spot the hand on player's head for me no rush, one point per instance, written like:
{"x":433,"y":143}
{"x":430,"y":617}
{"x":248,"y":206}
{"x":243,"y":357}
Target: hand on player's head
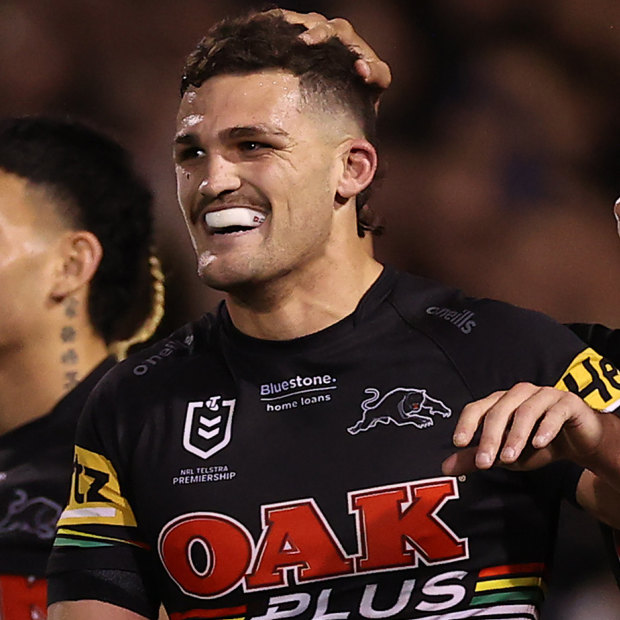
{"x":319,"y":28}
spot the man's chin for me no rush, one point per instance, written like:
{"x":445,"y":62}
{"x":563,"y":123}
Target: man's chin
{"x":212,"y":280}
{"x":210,"y":272}
{"x":238,"y":277}
{"x":222,"y":280}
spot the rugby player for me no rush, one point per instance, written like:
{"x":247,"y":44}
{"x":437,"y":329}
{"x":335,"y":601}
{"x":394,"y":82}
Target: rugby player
{"x":192,"y":489}
{"x":76,"y":288}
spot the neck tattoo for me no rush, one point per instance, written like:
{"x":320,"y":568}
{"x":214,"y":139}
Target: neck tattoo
{"x":68,"y":335}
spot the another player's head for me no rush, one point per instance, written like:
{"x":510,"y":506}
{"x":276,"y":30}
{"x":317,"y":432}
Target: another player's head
{"x":284,"y":128}
{"x":83,"y":207}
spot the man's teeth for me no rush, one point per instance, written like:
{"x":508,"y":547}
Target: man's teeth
{"x":236,"y":216}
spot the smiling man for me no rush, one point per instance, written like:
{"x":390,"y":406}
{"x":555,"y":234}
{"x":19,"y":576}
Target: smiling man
{"x":291,"y":455}
{"x":264,"y":183}
{"x":268,"y":168}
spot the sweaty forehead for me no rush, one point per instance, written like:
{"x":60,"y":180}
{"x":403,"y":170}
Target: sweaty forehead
{"x":262,"y":97}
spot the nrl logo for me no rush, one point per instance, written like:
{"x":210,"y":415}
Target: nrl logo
{"x":208,"y":426}
{"x":400,"y":406}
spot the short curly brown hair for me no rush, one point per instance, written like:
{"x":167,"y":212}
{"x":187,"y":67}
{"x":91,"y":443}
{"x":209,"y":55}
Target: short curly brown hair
{"x":326,"y":72}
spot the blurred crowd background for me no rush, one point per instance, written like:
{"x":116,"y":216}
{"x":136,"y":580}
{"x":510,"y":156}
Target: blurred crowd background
{"x":500,"y":149}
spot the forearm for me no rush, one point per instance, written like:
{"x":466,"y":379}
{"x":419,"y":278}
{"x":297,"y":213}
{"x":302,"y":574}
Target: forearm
{"x":598,"y":490}
{"x":604,"y":462}
{"x":598,"y":498}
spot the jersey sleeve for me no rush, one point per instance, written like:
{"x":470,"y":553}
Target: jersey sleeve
{"x":528,"y":346}
{"x":518,"y":345}
{"x":602,"y":339}
{"x":122,"y":588}
{"x":97,"y":534}
{"x":493,"y":345}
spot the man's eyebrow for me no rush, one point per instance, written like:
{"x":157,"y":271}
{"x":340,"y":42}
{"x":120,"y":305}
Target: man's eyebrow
{"x":185,"y":138}
{"x":256,"y":130}
{"x":241,"y":131}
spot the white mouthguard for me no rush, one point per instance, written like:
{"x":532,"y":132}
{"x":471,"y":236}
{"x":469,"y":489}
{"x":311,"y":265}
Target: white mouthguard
{"x":236,"y":216}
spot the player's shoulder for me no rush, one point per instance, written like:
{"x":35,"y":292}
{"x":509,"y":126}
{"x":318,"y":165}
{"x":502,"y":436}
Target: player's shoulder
{"x":492,"y":344}
{"x":166,"y":358}
{"x":444,"y":310}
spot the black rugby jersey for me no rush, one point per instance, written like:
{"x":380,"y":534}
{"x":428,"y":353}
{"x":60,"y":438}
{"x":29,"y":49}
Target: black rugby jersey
{"x":302,"y":479}
{"x":35,"y":473}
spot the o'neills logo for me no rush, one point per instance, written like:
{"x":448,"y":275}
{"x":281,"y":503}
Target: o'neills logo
{"x":463,"y":319}
{"x":168,"y":349}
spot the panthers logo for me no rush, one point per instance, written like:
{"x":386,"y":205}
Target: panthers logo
{"x":400,"y":406}
{"x":37,"y":516}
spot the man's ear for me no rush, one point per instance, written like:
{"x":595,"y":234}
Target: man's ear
{"x":359,"y":168}
{"x":80,"y":253}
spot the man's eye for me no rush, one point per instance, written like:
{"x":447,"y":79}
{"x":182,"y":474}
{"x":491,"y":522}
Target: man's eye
{"x":193,"y":152}
{"x":252,"y":145}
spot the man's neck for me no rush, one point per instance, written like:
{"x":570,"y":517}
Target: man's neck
{"x":35,"y":378}
{"x":295,"y":307}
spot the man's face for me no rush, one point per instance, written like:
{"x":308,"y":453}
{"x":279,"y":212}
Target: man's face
{"x":257,"y":172}
{"x":27,"y":233}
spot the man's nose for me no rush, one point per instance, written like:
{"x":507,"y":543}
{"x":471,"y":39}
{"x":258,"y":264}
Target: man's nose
{"x":220,"y":176}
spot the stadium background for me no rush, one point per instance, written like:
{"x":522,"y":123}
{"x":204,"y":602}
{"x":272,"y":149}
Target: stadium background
{"x":500,"y":143}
